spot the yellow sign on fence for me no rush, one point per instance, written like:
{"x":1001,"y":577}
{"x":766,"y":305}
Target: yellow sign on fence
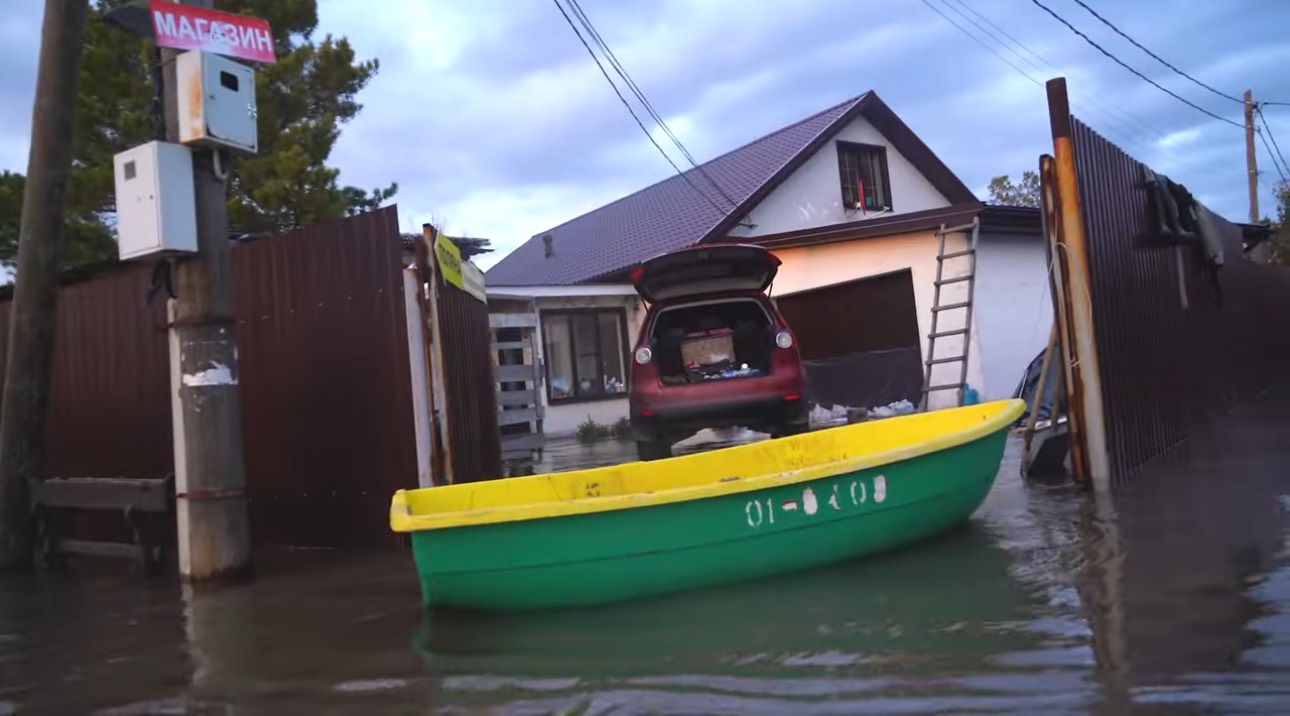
{"x":449,"y":257}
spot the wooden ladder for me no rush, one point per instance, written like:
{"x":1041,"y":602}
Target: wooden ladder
{"x":938,"y":309}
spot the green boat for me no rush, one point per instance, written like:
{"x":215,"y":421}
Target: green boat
{"x":640,"y":529}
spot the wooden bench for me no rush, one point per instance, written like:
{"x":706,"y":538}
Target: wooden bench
{"x":142,"y":503}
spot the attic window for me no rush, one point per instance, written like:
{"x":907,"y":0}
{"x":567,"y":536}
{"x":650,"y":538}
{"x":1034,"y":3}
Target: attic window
{"x":862,"y":168}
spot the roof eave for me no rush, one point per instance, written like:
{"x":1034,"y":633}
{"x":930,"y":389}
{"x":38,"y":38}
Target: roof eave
{"x":886,"y":121}
{"x":893,"y":225}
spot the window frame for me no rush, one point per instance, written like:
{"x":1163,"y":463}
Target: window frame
{"x":858,"y":150}
{"x":567,"y":314}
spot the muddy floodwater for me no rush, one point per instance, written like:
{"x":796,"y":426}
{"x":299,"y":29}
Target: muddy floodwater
{"x":1173,"y":597}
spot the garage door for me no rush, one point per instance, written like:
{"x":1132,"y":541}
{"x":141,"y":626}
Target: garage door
{"x":859,"y":340}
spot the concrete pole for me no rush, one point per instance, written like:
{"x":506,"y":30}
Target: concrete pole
{"x":32,"y":313}
{"x":210,"y":477}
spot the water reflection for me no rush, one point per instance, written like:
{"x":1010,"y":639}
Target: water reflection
{"x":1173,"y":597}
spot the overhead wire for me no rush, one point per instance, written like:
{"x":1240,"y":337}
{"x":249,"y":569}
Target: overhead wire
{"x":1119,"y":113}
{"x":632,"y":111}
{"x":989,"y":48}
{"x":640,"y":96}
{"x":1278,"y":159}
{"x":1126,"y":66}
{"x":1154,"y":56}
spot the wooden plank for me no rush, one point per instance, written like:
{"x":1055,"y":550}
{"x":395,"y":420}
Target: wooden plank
{"x":100,"y":549}
{"x":515,"y":416}
{"x":91,"y":493}
{"x":531,"y":441}
{"x":518,"y":398}
{"x":515,"y":373}
{"x":510,"y":345}
{"x":512,"y":320}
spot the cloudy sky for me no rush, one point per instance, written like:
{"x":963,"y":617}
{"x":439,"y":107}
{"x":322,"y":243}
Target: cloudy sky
{"x":493,"y":118}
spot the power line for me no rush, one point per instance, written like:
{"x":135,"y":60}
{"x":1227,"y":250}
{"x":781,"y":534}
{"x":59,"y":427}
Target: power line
{"x":1121,"y":63}
{"x":1275,"y":163}
{"x":1120,"y":113}
{"x":984,"y":44}
{"x":1158,"y":58}
{"x":1282,"y":168}
{"x":1122,"y":116}
{"x":626,"y":104}
{"x":649,"y":107}
{"x":991,"y":34}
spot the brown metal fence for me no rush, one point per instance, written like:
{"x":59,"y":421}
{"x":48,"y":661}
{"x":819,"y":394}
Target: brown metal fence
{"x":1174,"y":350}
{"x":471,"y":413}
{"x":109,"y":409}
{"x":326,"y":408}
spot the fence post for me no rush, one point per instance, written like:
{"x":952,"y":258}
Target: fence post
{"x":1084,"y":389}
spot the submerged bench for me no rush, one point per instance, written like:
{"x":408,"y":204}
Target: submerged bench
{"x":142,"y":503}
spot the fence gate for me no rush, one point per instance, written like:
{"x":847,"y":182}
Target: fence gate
{"x":519,"y":384}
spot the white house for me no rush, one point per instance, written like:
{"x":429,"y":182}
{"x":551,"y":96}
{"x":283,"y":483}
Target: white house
{"x":851,"y":201}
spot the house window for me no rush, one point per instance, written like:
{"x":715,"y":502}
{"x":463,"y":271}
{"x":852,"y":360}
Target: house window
{"x":863,"y":170}
{"x":585,"y":354}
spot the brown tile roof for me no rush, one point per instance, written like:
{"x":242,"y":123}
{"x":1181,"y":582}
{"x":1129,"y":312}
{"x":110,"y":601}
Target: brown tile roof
{"x":671,"y":215}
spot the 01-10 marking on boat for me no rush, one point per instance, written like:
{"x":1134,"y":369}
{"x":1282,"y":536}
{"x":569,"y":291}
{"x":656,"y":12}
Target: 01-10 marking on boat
{"x":759,"y":512}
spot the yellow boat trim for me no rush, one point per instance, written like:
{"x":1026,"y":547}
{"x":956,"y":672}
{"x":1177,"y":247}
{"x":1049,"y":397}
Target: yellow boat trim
{"x":728,"y":471}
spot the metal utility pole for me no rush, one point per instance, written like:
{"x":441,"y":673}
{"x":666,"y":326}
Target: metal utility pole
{"x":210,"y":477}
{"x":1084,"y":386}
{"x":1251,"y":165}
{"x":31,"y":329}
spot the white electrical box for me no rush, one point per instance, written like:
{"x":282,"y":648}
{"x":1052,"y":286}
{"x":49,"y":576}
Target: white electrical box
{"x":156,"y":203}
{"x":216,"y":102}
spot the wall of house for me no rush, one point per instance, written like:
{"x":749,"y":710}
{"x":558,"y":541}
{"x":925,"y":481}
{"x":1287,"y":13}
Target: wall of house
{"x":812,"y":196}
{"x":563,"y":418}
{"x":814,"y":266}
{"x":1014,"y":307}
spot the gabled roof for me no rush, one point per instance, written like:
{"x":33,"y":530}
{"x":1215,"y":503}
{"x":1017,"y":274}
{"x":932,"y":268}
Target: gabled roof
{"x":671,"y":215}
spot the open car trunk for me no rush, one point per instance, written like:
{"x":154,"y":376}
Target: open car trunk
{"x":718,"y":340}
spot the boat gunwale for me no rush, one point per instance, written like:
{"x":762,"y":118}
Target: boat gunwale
{"x":403,"y":521}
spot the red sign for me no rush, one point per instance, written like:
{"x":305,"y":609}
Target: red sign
{"x":191,"y":28}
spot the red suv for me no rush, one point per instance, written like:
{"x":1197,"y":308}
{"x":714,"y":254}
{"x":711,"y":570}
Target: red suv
{"x":713,"y":350}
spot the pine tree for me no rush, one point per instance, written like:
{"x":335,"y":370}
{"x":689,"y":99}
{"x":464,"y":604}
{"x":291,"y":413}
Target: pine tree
{"x":302,"y":101}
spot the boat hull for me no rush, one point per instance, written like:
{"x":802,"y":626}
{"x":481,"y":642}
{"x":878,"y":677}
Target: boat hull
{"x":609,"y":556}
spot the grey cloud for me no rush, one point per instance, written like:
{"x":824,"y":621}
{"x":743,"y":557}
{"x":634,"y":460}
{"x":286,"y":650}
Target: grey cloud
{"x":490,"y":124}
{"x":971,"y":108}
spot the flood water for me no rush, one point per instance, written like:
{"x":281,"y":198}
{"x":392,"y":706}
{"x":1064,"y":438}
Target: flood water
{"x":1174,"y":597}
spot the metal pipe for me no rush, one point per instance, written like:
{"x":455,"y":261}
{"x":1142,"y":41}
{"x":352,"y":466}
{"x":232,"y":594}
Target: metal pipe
{"x":1086,"y":375}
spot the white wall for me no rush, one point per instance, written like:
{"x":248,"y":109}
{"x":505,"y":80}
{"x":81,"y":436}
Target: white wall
{"x":1014,"y":307}
{"x":563,"y":419}
{"x":814,"y":266}
{"x":812,"y":195}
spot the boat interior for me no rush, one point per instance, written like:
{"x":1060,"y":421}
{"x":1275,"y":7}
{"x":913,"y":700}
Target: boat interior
{"x":799,"y":457}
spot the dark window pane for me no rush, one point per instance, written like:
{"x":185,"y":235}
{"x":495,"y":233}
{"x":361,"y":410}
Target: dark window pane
{"x":611,"y":352}
{"x":559,"y":357}
{"x":585,"y":346}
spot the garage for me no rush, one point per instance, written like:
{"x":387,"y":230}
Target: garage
{"x":859,"y":340}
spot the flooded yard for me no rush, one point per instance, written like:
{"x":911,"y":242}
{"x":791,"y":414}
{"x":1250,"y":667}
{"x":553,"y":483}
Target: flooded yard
{"x":1172,"y":598}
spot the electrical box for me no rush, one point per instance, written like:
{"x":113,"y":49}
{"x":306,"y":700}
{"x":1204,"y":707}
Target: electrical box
{"x":216,"y":102}
{"x":156,"y":203}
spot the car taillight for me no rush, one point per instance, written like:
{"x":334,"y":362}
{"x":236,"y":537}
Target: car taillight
{"x":644,"y":355}
{"x":784,"y":340}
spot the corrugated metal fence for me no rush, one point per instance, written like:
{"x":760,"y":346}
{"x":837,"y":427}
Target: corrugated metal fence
{"x":326,"y":406}
{"x":109,"y":405}
{"x":468,"y":379}
{"x":1173,"y":349}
